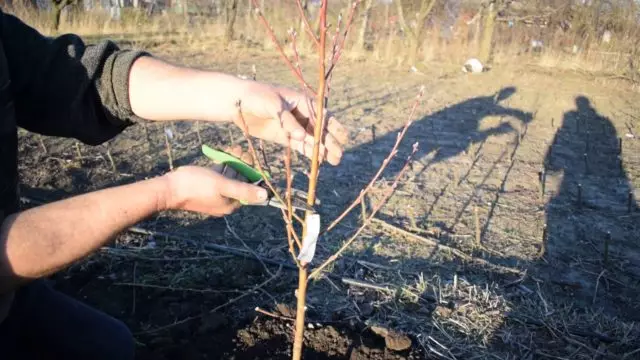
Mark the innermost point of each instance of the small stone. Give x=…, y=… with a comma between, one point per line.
x=379, y=330
x=397, y=341
x=393, y=340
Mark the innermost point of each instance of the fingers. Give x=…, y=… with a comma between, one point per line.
x=292, y=126
x=338, y=131
x=242, y=191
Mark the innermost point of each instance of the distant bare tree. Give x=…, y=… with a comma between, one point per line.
x=416, y=34
x=56, y=11
x=490, y=13
x=364, y=26
x=230, y=12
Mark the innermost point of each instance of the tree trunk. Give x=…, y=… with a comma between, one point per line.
x=416, y=41
x=486, y=45
x=366, y=14
x=56, y=12
x=231, y=12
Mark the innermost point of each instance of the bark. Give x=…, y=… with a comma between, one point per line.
x=486, y=45
x=231, y=12
x=415, y=35
x=364, y=27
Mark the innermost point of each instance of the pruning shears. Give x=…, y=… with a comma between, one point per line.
x=253, y=175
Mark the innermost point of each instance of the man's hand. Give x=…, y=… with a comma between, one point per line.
x=217, y=191
x=274, y=113
x=163, y=92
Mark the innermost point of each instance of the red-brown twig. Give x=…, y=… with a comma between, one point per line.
x=273, y=315
x=306, y=23
x=334, y=48
x=294, y=46
x=263, y=153
x=336, y=56
x=256, y=160
x=375, y=210
x=295, y=71
x=290, y=230
x=386, y=162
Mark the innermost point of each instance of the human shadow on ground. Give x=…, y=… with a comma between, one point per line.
x=591, y=210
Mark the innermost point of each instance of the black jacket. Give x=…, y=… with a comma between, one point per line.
x=59, y=87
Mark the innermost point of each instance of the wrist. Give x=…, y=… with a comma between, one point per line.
x=166, y=195
x=222, y=92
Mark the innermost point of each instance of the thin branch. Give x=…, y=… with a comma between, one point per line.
x=235, y=235
x=386, y=162
x=306, y=23
x=402, y=20
x=375, y=210
x=264, y=154
x=281, y=50
x=234, y=300
x=171, y=288
x=336, y=56
x=252, y=151
x=273, y=315
x=290, y=230
x=334, y=47
x=294, y=46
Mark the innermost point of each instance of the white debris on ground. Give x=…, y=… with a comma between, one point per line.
x=473, y=65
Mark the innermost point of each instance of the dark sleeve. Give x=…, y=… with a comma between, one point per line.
x=63, y=87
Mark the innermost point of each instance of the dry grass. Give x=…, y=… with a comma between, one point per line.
x=384, y=42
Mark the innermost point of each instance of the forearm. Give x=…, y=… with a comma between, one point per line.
x=37, y=242
x=160, y=91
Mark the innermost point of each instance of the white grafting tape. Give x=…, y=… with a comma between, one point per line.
x=311, y=239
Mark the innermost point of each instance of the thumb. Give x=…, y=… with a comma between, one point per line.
x=242, y=191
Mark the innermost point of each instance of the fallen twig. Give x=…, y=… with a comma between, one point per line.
x=273, y=315
x=573, y=331
x=235, y=299
x=448, y=248
x=235, y=235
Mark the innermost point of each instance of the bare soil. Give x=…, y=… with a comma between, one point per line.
x=522, y=292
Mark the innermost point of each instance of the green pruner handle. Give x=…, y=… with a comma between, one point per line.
x=252, y=174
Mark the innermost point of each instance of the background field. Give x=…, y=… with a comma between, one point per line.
x=188, y=287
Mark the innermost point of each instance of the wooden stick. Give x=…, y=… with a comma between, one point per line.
x=44, y=147
x=78, y=153
x=477, y=223
x=542, y=175
x=605, y=256
x=169, y=152
x=543, y=247
x=619, y=146
x=198, y=132
x=113, y=163
x=579, y=195
x=273, y=315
